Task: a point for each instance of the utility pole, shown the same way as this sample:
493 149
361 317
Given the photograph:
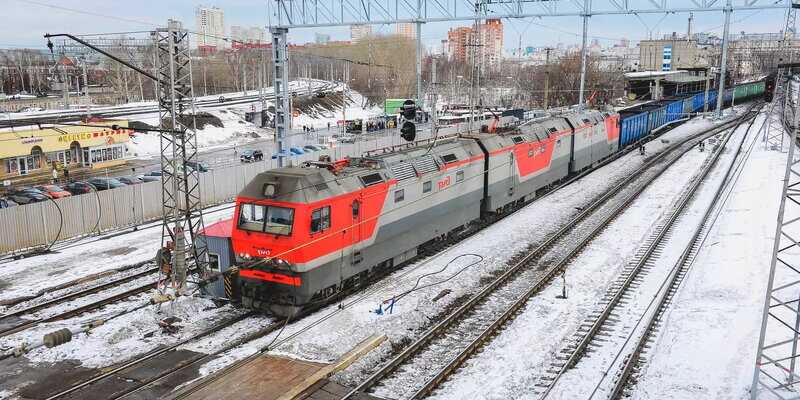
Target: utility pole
724 62
434 96
587 6
547 78
280 76
705 98
419 51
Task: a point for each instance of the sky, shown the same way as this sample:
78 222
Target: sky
25 21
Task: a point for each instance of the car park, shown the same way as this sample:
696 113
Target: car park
54 191
79 187
251 155
106 183
130 180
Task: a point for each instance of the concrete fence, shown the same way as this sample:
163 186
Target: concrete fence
39 224
34 225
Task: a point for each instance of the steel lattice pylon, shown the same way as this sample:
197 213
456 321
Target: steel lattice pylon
280 80
772 130
180 184
776 368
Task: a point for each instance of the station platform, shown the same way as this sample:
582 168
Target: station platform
271 377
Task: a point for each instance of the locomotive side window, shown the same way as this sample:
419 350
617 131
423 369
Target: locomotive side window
399 195
427 186
320 219
459 176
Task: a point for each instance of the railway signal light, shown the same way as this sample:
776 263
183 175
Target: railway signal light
409 110
408 131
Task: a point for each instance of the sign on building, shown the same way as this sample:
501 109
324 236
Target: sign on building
666 62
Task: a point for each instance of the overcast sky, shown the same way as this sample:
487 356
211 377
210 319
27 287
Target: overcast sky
23 22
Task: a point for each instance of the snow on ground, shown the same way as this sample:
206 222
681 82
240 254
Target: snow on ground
357 108
707 343
235 131
128 335
597 368
298 86
511 364
329 340
86 257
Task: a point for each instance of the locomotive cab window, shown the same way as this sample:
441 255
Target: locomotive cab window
268 219
320 219
399 195
427 186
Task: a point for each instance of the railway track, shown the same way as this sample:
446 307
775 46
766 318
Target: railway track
13 322
601 328
107 376
72 116
425 256
459 335
630 363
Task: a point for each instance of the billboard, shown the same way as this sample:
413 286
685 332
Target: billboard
666 62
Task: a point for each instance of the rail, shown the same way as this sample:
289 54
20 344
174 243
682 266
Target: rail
439 329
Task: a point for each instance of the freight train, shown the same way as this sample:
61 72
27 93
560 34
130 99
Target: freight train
300 235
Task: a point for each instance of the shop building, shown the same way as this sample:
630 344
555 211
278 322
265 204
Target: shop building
34 151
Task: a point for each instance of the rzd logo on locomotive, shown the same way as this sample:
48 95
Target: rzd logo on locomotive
444 183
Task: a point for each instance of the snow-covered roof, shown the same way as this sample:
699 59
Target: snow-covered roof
649 74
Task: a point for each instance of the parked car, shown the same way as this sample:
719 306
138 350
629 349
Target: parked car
27 196
79 187
130 180
154 173
54 191
197 166
282 153
6 203
322 146
297 150
346 139
251 155
148 178
106 183
311 147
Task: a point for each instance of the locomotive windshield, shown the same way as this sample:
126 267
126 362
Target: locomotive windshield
269 219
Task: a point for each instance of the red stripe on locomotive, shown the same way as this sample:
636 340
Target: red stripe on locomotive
270 277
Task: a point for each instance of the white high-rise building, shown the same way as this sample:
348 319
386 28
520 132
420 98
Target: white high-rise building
210 25
248 35
358 32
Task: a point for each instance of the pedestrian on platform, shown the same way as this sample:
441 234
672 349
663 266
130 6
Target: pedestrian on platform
66 175
55 175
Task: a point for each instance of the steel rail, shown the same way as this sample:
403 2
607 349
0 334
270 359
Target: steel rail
77 115
437 330
78 293
149 355
670 286
655 242
79 310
